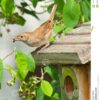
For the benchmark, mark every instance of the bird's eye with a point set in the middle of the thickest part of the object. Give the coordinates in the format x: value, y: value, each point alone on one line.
x: 21, y: 36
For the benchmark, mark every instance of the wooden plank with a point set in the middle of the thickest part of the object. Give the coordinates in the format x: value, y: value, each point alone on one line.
x: 75, y: 39
x: 54, y: 59
x: 81, y: 30
x: 63, y: 54
x: 71, y: 48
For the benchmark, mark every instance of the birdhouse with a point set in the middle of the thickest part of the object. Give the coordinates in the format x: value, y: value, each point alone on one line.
x: 71, y: 54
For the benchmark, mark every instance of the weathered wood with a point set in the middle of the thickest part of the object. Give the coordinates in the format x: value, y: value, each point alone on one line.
x: 67, y: 55
x: 82, y: 30
x: 74, y: 48
x: 83, y: 76
x: 74, y: 39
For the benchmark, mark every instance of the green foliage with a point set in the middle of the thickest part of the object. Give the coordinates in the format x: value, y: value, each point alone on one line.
x: 32, y: 87
x: 40, y: 95
x: 46, y: 88
x: 25, y: 10
x: 60, y: 4
x: 52, y: 72
x: 69, y: 13
x: 1, y: 71
x: 34, y: 2
x: 70, y: 17
x: 12, y: 16
x: 24, y: 64
x: 18, y: 19
x: 56, y: 96
x: 15, y: 19
x: 58, y: 28
x: 0, y: 2
x: 8, y: 7
x: 85, y: 10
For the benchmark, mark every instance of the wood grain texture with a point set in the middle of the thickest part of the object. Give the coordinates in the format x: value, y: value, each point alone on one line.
x: 83, y: 76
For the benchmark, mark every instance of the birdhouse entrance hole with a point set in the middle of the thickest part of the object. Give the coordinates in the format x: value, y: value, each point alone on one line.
x: 70, y: 84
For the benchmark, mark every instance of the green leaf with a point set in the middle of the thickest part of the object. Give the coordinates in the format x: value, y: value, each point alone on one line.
x: 53, y: 73
x: 85, y: 10
x: 31, y: 63
x: 71, y: 13
x: 33, y: 13
x: 60, y: 4
x: 8, y: 7
x: 0, y: 3
x: 55, y: 84
x: 18, y: 19
x: 15, y: 19
x: 58, y: 28
x: 24, y: 4
x: 1, y: 71
x: 34, y: 2
x: 46, y: 98
x: 56, y: 96
x: 52, y: 39
x: 46, y: 88
x: 39, y: 94
x: 24, y: 63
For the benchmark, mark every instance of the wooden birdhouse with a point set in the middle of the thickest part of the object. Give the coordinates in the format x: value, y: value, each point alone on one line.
x: 71, y: 54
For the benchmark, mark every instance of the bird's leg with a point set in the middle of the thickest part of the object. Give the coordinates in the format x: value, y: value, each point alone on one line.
x: 37, y: 49
x: 45, y: 46
x: 41, y: 47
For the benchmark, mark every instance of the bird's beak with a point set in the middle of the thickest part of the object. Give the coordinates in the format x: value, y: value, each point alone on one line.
x: 16, y: 39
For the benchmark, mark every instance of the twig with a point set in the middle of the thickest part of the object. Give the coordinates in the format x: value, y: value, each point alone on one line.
x: 8, y: 55
x: 42, y: 74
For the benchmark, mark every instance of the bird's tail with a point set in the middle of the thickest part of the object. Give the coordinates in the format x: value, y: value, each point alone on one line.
x: 53, y: 12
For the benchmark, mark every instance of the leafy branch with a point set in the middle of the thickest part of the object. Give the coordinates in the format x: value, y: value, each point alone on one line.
x: 32, y: 86
x: 70, y: 13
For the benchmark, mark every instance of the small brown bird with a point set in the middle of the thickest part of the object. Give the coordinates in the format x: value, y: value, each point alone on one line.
x: 40, y: 36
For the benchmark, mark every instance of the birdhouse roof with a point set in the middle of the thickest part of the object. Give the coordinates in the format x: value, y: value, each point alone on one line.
x: 74, y: 48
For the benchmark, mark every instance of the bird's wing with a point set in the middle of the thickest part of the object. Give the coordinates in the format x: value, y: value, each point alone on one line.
x: 45, y: 28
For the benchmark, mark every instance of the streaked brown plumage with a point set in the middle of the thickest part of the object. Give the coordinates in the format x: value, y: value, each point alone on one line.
x: 39, y: 36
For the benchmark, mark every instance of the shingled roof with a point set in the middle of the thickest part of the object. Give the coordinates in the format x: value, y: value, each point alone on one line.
x: 73, y: 48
